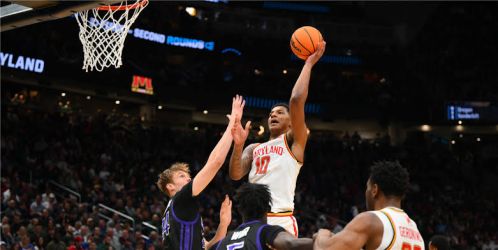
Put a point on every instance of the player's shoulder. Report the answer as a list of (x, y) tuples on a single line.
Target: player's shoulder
[(252, 146), (366, 217), (366, 221), (270, 232), (273, 228)]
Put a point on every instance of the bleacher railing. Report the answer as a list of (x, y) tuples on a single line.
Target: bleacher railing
[(114, 211), (67, 190), (105, 210)]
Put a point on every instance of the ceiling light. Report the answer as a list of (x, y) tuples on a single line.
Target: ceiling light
[(191, 11), (425, 128)]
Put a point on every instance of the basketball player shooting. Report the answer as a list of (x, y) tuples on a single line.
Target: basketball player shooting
[(277, 162), (387, 226)]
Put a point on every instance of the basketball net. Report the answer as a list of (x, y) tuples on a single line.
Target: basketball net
[(103, 32)]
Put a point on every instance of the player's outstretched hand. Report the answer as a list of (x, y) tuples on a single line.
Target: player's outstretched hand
[(315, 57), (238, 104), (239, 133), (226, 212)]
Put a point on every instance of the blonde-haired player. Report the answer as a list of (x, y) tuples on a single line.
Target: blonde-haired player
[(182, 226), (277, 162), (387, 227)]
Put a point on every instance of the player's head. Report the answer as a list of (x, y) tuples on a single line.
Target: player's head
[(439, 242), (174, 178), (279, 120), (253, 201), (388, 179)]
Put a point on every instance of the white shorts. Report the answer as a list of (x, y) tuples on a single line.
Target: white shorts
[(285, 220)]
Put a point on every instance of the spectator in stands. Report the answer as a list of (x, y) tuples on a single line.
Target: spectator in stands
[(37, 206), (56, 243), (7, 236)]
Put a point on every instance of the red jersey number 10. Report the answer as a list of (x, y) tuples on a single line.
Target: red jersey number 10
[(262, 164)]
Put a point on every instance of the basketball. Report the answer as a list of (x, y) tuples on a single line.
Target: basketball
[(304, 41)]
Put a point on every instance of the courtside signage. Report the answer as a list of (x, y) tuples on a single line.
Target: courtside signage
[(21, 62)]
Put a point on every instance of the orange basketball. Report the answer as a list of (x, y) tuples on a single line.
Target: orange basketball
[(304, 41)]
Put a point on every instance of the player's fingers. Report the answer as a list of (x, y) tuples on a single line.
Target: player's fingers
[(248, 126), (324, 44)]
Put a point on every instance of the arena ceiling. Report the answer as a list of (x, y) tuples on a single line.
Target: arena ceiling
[(385, 36)]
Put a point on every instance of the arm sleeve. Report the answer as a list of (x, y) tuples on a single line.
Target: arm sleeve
[(269, 233), (185, 205)]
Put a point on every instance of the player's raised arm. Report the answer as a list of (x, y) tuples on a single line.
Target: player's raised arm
[(359, 233), (225, 219), (220, 151), (241, 159), (297, 101)]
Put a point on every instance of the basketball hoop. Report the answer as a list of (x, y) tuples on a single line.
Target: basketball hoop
[(103, 31)]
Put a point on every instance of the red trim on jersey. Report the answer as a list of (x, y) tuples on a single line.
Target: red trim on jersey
[(282, 214), (289, 149), (294, 225)]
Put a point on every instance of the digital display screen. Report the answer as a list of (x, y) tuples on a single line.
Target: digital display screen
[(483, 111)]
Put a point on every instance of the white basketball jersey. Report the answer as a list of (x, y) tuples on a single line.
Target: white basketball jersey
[(400, 232), (274, 164)]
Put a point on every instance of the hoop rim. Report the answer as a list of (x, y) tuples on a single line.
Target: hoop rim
[(142, 3)]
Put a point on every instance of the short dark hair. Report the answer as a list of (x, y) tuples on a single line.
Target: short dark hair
[(391, 177), (440, 242), (280, 104), (253, 201)]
